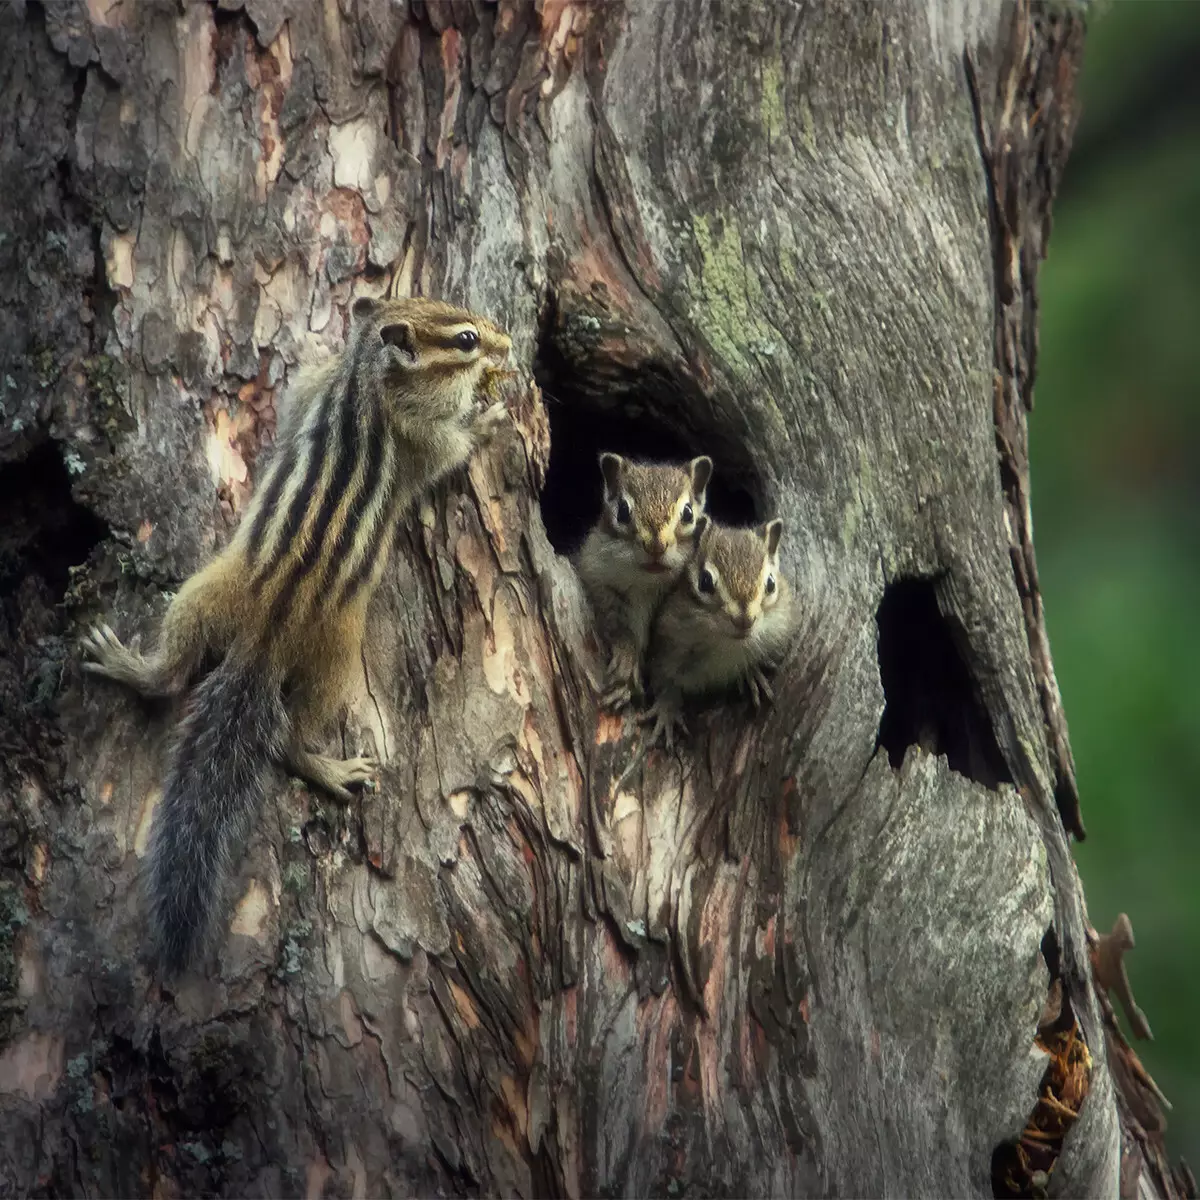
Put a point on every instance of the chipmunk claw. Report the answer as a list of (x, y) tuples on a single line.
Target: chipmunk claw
[(758, 686), (108, 655), (667, 722), (616, 698), (489, 422), (620, 694), (336, 776), (622, 688), (362, 771)]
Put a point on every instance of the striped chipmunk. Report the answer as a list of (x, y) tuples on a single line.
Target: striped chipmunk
[(728, 622), (283, 608), (635, 553)]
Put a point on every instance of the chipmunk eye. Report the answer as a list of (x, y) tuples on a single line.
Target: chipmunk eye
[(624, 511), (466, 340), (770, 585), (708, 584), (687, 516)]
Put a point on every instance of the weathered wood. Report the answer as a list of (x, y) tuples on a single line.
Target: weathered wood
[(803, 957)]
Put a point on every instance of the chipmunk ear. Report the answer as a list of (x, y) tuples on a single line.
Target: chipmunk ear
[(701, 471), (770, 533), (612, 467), (702, 524), (399, 335)]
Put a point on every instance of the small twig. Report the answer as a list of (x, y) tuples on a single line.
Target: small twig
[(1108, 964)]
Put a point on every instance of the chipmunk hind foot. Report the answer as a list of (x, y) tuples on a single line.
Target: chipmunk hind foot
[(333, 775)]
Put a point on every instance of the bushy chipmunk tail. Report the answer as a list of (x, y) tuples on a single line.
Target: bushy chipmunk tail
[(235, 726)]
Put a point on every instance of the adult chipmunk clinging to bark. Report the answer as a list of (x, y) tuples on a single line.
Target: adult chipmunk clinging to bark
[(283, 608)]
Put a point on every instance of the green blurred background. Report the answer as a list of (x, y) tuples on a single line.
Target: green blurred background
[(1116, 498)]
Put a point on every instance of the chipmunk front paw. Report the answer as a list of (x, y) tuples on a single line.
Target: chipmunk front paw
[(622, 685), (667, 721), (489, 422), (758, 687)]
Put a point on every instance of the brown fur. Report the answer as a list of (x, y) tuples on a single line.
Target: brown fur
[(613, 560), (707, 641), (657, 490), (738, 555)]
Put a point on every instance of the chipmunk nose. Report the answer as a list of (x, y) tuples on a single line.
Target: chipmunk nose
[(743, 622), (656, 547)]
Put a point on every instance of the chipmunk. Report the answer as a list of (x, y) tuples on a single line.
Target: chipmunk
[(729, 620), (635, 553), (283, 608)]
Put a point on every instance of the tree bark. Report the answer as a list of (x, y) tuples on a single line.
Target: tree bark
[(807, 955)]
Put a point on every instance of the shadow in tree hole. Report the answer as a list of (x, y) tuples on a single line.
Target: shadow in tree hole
[(632, 418), (931, 699)]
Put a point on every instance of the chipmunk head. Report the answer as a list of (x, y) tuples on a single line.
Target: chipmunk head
[(432, 356), (653, 510), (734, 577)]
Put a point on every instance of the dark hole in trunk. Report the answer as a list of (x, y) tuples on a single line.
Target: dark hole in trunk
[(644, 415), (43, 534), (930, 698), (43, 531)]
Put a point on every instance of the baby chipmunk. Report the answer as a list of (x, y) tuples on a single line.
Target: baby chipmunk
[(635, 553), (728, 621), (283, 608)]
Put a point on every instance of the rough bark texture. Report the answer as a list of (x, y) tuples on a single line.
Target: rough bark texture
[(806, 956)]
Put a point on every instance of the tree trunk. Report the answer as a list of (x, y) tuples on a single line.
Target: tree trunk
[(838, 949)]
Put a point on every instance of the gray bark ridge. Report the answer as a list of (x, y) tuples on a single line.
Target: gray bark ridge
[(803, 956)]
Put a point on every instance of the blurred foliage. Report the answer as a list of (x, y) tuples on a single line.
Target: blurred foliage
[(1116, 490)]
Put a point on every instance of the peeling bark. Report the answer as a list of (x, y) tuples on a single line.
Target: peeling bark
[(810, 954)]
